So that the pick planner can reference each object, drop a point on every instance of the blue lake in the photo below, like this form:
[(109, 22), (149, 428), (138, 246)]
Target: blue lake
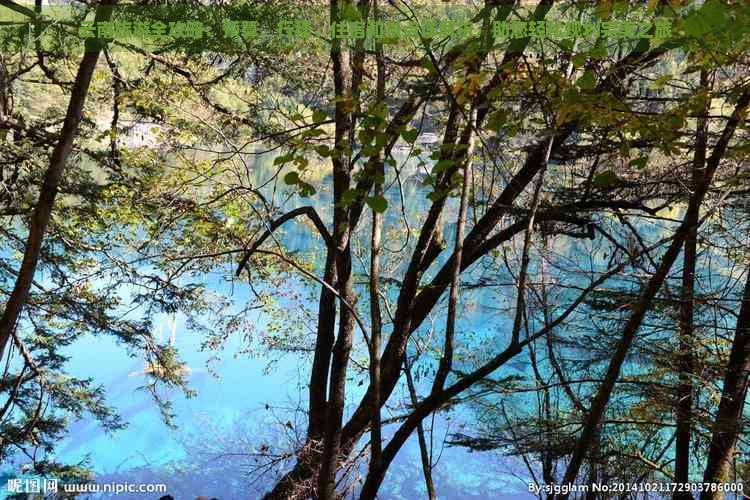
[(249, 399), (245, 402)]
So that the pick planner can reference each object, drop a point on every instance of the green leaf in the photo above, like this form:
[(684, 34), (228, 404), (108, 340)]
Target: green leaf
[(364, 136), (410, 135), (319, 116), (350, 13), (305, 190), (661, 81), (436, 196), (291, 178), (441, 166), (579, 60), (281, 159), (676, 121), (495, 93), (587, 80), (377, 203), (496, 120), (313, 132), (427, 64), (380, 139), (566, 45), (348, 197), (599, 52)]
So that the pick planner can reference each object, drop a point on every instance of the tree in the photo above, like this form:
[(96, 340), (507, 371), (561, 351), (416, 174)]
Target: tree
[(103, 227), (43, 210), (550, 189), (415, 300)]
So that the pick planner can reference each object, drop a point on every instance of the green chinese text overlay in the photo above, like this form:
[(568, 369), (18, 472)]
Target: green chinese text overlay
[(283, 28)]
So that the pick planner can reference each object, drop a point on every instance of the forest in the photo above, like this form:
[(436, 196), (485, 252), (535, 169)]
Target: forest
[(365, 249)]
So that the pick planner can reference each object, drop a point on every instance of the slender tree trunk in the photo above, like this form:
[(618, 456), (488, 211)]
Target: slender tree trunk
[(446, 361), (375, 313), (544, 414), (342, 76), (728, 420), (324, 340), (375, 329), (5, 98), (684, 404), (43, 211), (424, 453), (593, 472)]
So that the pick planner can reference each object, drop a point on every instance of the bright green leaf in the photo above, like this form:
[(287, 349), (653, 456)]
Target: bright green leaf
[(291, 178), (410, 135), (377, 203)]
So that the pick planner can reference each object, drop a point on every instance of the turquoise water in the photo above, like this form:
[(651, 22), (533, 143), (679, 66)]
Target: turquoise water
[(245, 402), (248, 400), (228, 418)]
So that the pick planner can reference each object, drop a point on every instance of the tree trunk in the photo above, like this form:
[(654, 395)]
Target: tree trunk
[(726, 427), (424, 453), (342, 74), (43, 210), (376, 320), (325, 337), (684, 404)]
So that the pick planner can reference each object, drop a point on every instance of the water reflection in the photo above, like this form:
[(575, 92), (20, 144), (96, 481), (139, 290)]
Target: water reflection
[(244, 410)]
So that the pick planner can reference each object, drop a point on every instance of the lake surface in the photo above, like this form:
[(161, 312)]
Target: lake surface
[(243, 403), (247, 400)]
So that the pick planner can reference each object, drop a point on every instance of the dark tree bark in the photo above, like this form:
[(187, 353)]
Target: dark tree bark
[(324, 340), (376, 317), (684, 404), (343, 86), (728, 420), (43, 210), (424, 452)]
